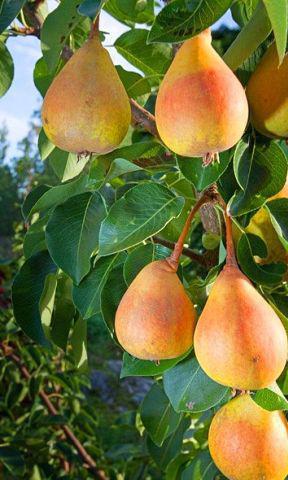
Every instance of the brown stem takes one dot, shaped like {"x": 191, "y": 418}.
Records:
{"x": 142, "y": 118}
{"x": 201, "y": 259}
{"x": 208, "y": 196}
{"x": 94, "y": 32}
{"x": 230, "y": 256}
{"x": 9, "y": 352}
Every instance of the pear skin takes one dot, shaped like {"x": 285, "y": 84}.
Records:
{"x": 155, "y": 319}
{"x": 86, "y": 108}
{"x": 239, "y": 340}
{"x": 247, "y": 442}
{"x": 201, "y": 106}
{"x": 267, "y": 93}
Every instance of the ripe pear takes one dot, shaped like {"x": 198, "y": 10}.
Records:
{"x": 267, "y": 93}
{"x": 239, "y": 340}
{"x": 249, "y": 443}
{"x": 201, "y": 106}
{"x": 155, "y": 319}
{"x": 86, "y": 108}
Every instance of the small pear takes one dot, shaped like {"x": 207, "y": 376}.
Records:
{"x": 86, "y": 108}
{"x": 201, "y": 106}
{"x": 247, "y": 442}
{"x": 239, "y": 340}
{"x": 155, "y": 319}
{"x": 267, "y": 93}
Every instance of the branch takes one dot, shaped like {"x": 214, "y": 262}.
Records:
{"x": 144, "y": 119}
{"x": 9, "y": 352}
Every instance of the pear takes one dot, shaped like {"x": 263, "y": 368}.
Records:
{"x": 249, "y": 443}
{"x": 201, "y": 107}
{"x": 267, "y": 93}
{"x": 155, "y": 319}
{"x": 239, "y": 340}
{"x": 86, "y": 108}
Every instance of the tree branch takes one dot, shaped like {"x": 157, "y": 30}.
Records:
{"x": 144, "y": 119}
{"x": 9, "y": 352}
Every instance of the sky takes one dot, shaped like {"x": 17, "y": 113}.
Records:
{"x": 17, "y": 106}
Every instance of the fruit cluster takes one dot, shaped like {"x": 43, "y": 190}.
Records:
{"x": 239, "y": 341}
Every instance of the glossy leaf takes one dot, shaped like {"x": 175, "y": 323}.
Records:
{"x": 91, "y": 8}
{"x": 271, "y": 399}
{"x": 134, "y": 83}
{"x": 6, "y": 68}
{"x": 131, "y": 11}
{"x": 202, "y": 467}
{"x": 8, "y": 11}
{"x": 133, "y": 367}
{"x": 278, "y": 210}
{"x": 78, "y": 343}
{"x": 278, "y": 15}
{"x": 111, "y": 295}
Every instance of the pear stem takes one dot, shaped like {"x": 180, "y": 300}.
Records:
{"x": 208, "y": 196}
{"x": 94, "y": 28}
{"x": 230, "y": 256}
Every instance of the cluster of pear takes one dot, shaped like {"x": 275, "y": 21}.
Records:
{"x": 239, "y": 341}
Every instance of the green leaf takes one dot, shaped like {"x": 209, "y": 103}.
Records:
{"x": 56, "y": 30}
{"x": 242, "y": 11}
{"x": 249, "y": 38}
{"x": 12, "y": 459}
{"x": 91, "y": 8}
{"x": 202, "y": 177}
{"x": 72, "y": 233}
{"x": 278, "y": 210}
{"x": 34, "y": 240}
{"x": 87, "y": 295}
{"x": 56, "y": 195}
{"x": 27, "y": 289}
{"x": 133, "y": 367}
{"x": 262, "y": 274}
{"x": 262, "y": 182}
{"x": 44, "y": 145}
{"x": 182, "y": 19}
{"x": 242, "y": 162}
{"x": 135, "y": 84}
{"x": 46, "y": 303}
{"x": 131, "y": 11}
{"x": 9, "y": 10}
{"x": 67, "y": 165}
{"x": 32, "y": 199}
{"x": 171, "y": 446}
{"x": 78, "y": 342}
{"x": 111, "y": 295}
{"x": 202, "y": 467}
{"x": 278, "y": 15}
{"x": 153, "y": 60}
{"x": 158, "y": 416}
{"x": 64, "y": 312}
{"x": 42, "y": 76}
{"x": 142, "y": 212}
{"x": 141, "y": 256}
{"x": 6, "y": 68}
{"x": 120, "y": 167}
{"x": 189, "y": 389}
{"x": 270, "y": 398}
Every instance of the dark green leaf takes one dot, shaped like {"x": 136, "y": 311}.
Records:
{"x": 91, "y": 8}
{"x": 140, "y": 213}
{"x": 9, "y": 10}
{"x": 278, "y": 210}
{"x": 32, "y": 198}
{"x": 34, "y": 240}
{"x": 42, "y": 76}
{"x": 135, "y": 84}
{"x": 133, "y": 367}
{"x": 111, "y": 295}
{"x": 63, "y": 314}
{"x": 131, "y": 11}
{"x": 202, "y": 467}
{"x": 12, "y": 459}
{"x": 189, "y": 389}
{"x": 6, "y": 68}
{"x": 26, "y": 294}
{"x": 158, "y": 416}
{"x": 78, "y": 342}
{"x": 72, "y": 233}
{"x": 182, "y": 19}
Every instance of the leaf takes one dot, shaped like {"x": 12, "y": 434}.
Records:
{"x": 278, "y": 15}
{"x": 120, "y": 167}
{"x": 202, "y": 467}
{"x": 278, "y": 210}
{"x": 242, "y": 162}
{"x": 271, "y": 399}
{"x": 6, "y": 68}
{"x": 56, "y": 195}
{"x": 158, "y": 416}
{"x": 171, "y": 446}
{"x": 32, "y": 199}
{"x": 153, "y": 60}
{"x": 202, "y": 177}
{"x": 141, "y": 256}
{"x": 46, "y": 303}
{"x": 77, "y": 220}
{"x": 133, "y": 367}
{"x": 87, "y": 295}
{"x": 66, "y": 165}
{"x": 27, "y": 289}
{"x": 34, "y": 240}
{"x": 135, "y": 84}
{"x": 12, "y": 459}
{"x": 42, "y": 76}
{"x": 262, "y": 274}
{"x": 111, "y": 295}
{"x": 63, "y": 314}
{"x": 242, "y": 11}
{"x": 262, "y": 182}
{"x": 189, "y": 389}
{"x": 249, "y": 38}
{"x": 44, "y": 145}
{"x": 56, "y": 30}
{"x": 131, "y": 11}
{"x": 182, "y": 19}
{"x": 9, "y": 10}
{"x": 142, "y": 212}
{"x": 91, "y": 8}
{"x": 78, "y": 342}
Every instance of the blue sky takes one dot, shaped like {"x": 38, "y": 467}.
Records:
{"x": 17, "y": 106}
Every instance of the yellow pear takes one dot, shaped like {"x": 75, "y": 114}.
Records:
{"x": 201, "y": 106}
{"x": 267, "y": 93}
{"x": 86, "y": 108}
{"x": 249, "y": 443}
